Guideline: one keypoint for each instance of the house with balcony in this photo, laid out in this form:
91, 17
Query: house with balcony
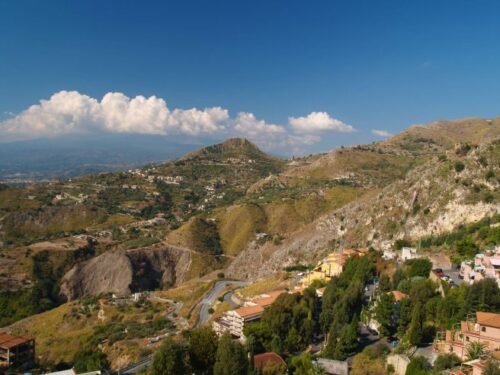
482, 327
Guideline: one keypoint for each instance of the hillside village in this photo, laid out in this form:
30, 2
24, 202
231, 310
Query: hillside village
376, 259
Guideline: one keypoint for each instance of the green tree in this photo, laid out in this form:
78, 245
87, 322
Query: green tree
418, 366
384, 312
303, 365
350, 336
466, 248
446, 361
293, 340
415, 331
202, 349
404, 316
385, 283
170, 359
398, 276
363, 364
90, 360
483, 296
420, 267
231, 357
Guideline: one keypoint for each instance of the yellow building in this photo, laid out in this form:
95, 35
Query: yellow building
329, 267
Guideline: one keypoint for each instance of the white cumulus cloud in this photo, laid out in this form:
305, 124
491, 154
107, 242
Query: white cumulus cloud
381, 133
318, 122
69, 112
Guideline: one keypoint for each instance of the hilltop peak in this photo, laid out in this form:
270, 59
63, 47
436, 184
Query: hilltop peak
230, 148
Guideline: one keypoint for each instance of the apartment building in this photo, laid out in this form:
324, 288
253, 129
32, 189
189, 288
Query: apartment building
234, 321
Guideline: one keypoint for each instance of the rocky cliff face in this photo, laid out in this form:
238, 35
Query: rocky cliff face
433, 198
126, 272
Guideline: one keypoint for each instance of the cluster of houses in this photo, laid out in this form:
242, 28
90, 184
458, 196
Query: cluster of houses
483, 266
169, 180
146, 174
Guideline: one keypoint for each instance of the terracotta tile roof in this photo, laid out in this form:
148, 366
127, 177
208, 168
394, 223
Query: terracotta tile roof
249, 311
8, 341
398, 296
488, 319
264, 359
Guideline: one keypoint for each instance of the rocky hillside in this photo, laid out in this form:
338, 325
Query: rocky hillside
453, 188
125, 272
161, 225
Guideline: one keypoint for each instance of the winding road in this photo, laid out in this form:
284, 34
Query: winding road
204, 316
210, 297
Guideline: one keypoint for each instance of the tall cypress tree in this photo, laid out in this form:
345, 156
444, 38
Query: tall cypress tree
231, 357
415, 331
202, 350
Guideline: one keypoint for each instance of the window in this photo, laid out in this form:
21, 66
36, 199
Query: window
483, 329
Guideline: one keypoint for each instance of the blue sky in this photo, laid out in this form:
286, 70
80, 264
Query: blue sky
368, 64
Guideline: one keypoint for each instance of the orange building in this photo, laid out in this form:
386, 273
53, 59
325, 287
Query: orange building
483, 328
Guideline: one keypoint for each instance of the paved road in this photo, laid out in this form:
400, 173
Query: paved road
205, 303
210, 297
136, 367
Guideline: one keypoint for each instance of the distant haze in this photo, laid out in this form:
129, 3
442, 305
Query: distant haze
64, 157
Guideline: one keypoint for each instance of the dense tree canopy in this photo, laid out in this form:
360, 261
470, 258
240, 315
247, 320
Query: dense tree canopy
231, 357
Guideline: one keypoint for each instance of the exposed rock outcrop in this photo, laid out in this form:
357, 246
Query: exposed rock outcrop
124, 272
432, 199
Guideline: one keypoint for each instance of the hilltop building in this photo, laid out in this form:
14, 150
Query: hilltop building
234, 321
16, 352
483, 328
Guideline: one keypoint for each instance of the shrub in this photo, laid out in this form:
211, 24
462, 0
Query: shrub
459, 166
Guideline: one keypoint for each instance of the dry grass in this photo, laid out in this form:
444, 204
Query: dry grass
61, 332
188, 293
275, 281
237, 226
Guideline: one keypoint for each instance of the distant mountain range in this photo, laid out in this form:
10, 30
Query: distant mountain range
65, 157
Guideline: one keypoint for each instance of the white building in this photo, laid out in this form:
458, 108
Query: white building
233, 321
481, 267
408, 253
